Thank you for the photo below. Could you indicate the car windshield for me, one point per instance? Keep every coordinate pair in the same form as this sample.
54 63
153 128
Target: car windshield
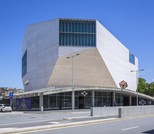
6 105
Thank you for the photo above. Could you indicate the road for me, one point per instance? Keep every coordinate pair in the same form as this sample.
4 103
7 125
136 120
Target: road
144 125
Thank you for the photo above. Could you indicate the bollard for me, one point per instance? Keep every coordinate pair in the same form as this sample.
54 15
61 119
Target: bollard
91 112
41 108
120 112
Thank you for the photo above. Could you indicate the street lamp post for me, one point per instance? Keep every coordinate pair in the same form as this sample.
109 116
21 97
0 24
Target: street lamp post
72 79
137 81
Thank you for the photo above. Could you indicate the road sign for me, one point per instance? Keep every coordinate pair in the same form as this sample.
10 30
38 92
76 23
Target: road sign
84 93
142 102
11 94
123 84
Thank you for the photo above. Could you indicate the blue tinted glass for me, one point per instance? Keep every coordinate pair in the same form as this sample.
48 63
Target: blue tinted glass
24 64
77 33
131 58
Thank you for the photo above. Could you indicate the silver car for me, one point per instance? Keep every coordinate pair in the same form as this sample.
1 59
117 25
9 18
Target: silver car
5 107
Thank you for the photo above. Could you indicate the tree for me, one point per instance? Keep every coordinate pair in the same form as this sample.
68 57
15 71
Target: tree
145 88
142 86
151 89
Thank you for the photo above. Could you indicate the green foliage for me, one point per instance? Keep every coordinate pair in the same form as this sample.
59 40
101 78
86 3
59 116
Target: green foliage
145 88
151 89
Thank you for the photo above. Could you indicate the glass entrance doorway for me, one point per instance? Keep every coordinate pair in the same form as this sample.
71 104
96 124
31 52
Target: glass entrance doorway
83 99
81 102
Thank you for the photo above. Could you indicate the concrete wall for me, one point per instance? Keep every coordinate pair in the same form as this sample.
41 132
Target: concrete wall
41 42
104 111
116 57
121 112
135 111
68 51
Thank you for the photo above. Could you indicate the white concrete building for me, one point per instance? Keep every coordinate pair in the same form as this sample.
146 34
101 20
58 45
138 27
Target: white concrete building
77 53
44 52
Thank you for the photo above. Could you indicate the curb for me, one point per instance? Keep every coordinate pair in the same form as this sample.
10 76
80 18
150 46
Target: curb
4 113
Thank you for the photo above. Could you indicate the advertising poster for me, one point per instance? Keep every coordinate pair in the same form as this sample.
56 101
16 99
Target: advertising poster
23 104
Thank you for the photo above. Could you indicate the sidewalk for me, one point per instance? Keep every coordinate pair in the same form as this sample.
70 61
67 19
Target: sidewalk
36 120
56 125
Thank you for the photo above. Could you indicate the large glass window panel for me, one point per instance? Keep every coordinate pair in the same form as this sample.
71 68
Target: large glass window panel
68 27
64 26
94 40
52 101
90 40
88 102
76 101
24 64
67 42
91 25
77 33
70 39
93 28
64 40
80 27
131 58
77 26
68 102
45 101
73 27
75 40
86 40
98 101
35 102
60 26
84 27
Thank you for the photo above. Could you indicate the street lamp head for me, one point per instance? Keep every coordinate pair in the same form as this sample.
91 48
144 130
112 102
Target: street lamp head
26 83
72 56
137 70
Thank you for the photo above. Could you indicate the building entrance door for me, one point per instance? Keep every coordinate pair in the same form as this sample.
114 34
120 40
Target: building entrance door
126 101
81 102
59 99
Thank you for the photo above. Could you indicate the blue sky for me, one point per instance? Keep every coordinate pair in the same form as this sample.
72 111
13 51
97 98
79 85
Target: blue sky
131 21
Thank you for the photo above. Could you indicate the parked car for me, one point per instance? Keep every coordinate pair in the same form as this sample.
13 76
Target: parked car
5 107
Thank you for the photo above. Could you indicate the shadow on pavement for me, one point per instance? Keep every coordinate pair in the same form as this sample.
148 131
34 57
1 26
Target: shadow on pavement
149 132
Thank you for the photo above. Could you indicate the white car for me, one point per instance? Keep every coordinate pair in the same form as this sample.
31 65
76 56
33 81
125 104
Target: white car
5 107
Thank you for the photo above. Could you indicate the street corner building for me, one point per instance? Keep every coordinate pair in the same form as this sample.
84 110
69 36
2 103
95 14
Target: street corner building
76 63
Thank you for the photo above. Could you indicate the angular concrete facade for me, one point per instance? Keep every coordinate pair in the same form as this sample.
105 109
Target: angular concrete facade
41 42
89 70
103 65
